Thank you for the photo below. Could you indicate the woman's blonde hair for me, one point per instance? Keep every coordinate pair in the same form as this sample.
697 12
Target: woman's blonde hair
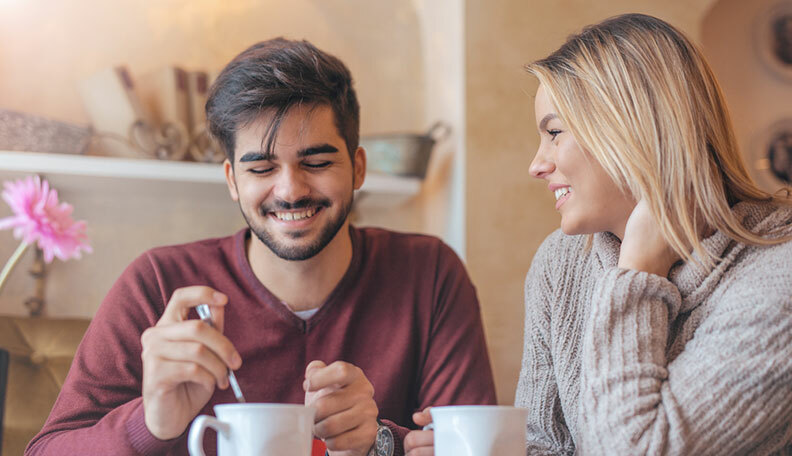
642 100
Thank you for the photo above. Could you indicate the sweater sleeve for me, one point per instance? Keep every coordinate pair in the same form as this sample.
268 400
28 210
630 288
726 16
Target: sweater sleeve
537 389
728 392
99 409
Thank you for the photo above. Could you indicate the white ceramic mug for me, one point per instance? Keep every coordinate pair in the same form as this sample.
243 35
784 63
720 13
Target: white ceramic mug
256 430
478 430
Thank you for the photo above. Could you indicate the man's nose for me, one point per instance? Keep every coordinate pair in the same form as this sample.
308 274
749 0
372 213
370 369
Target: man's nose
542 164
291 185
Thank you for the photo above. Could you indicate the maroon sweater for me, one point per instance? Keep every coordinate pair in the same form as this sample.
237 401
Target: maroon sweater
405 312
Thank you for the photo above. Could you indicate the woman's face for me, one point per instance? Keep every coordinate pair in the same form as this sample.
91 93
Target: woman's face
587 198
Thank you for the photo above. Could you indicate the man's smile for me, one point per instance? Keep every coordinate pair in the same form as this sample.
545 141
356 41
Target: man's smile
295 215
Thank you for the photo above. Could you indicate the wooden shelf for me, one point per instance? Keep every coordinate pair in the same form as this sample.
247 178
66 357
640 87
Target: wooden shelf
161 170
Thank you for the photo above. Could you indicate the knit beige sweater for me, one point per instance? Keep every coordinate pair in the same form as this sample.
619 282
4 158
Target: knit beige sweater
622 362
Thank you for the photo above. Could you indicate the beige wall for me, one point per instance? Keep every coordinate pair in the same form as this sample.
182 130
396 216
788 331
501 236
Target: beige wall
48 46
758 96
508 213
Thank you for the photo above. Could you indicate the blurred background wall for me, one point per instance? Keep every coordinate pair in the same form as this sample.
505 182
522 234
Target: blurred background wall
414 62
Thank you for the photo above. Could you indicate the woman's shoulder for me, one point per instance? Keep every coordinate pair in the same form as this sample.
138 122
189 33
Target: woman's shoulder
767 219
764 271
761 272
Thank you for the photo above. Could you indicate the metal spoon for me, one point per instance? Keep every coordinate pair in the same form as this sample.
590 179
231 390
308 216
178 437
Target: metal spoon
206 317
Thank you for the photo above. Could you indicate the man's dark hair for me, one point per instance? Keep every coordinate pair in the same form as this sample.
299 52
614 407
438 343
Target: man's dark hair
276 75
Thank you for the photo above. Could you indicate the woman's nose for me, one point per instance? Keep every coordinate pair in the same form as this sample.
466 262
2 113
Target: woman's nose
541 165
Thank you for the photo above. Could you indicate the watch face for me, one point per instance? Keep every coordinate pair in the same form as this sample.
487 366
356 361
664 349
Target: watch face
384 443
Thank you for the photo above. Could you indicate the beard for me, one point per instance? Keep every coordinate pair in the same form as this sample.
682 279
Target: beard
288 251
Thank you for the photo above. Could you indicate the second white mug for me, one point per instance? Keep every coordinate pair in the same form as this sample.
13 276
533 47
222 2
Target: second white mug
478 430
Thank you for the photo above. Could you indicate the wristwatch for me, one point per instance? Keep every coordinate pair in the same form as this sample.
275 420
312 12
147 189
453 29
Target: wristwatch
383 444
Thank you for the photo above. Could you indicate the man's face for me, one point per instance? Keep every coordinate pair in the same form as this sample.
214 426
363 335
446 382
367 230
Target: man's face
298 198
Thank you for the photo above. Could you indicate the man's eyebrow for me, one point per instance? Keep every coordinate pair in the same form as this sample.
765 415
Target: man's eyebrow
256 156
547 119
315 150
269 156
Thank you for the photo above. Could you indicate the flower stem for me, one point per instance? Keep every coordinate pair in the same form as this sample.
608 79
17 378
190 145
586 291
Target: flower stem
11 263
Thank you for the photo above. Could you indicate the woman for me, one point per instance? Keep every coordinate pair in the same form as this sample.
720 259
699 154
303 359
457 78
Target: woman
668 328
659 317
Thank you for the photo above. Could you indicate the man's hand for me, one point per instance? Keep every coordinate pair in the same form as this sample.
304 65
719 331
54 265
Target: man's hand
644 248
346 414
183 360
420 443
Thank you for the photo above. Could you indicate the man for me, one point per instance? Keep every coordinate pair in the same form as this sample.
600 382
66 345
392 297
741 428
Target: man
365 325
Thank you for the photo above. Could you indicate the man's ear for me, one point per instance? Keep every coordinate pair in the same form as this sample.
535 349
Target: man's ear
228 168
359 168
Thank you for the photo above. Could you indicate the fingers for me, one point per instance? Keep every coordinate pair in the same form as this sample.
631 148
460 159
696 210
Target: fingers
185 353
361 437
422 451
313 365
162 342
346 413
330 403
348 420
338 374
422 418
183 299
419 443
171 373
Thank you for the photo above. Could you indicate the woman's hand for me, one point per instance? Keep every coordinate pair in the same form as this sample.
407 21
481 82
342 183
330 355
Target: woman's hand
420 443
644 248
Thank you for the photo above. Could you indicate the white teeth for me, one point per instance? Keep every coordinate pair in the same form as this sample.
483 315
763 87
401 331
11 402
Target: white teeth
295 215
561 192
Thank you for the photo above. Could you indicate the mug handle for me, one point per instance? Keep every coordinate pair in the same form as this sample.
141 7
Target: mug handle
197 429
429 427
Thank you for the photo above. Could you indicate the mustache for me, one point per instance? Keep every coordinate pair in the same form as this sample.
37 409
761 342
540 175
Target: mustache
304 203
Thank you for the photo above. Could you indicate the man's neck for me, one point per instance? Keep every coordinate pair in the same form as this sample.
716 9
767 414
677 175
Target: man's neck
306 284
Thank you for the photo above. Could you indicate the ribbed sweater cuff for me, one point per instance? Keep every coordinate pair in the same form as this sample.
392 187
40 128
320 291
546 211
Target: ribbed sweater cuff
628 325
141 439
399 433
624 289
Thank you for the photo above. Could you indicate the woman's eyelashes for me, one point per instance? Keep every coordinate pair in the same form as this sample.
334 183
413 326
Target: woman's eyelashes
553 133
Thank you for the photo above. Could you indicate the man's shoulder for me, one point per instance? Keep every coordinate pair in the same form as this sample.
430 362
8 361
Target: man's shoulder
205 249
397 241
406 250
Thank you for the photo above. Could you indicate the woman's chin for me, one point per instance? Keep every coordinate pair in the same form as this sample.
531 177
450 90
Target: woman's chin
571 228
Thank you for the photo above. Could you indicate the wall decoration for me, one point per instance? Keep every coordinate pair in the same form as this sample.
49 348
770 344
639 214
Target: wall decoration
773 38
770 161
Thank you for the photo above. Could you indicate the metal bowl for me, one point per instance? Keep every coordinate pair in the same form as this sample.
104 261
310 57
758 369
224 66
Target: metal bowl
403 154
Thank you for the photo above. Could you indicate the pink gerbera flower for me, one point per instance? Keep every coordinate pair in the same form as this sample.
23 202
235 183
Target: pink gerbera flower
38 217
